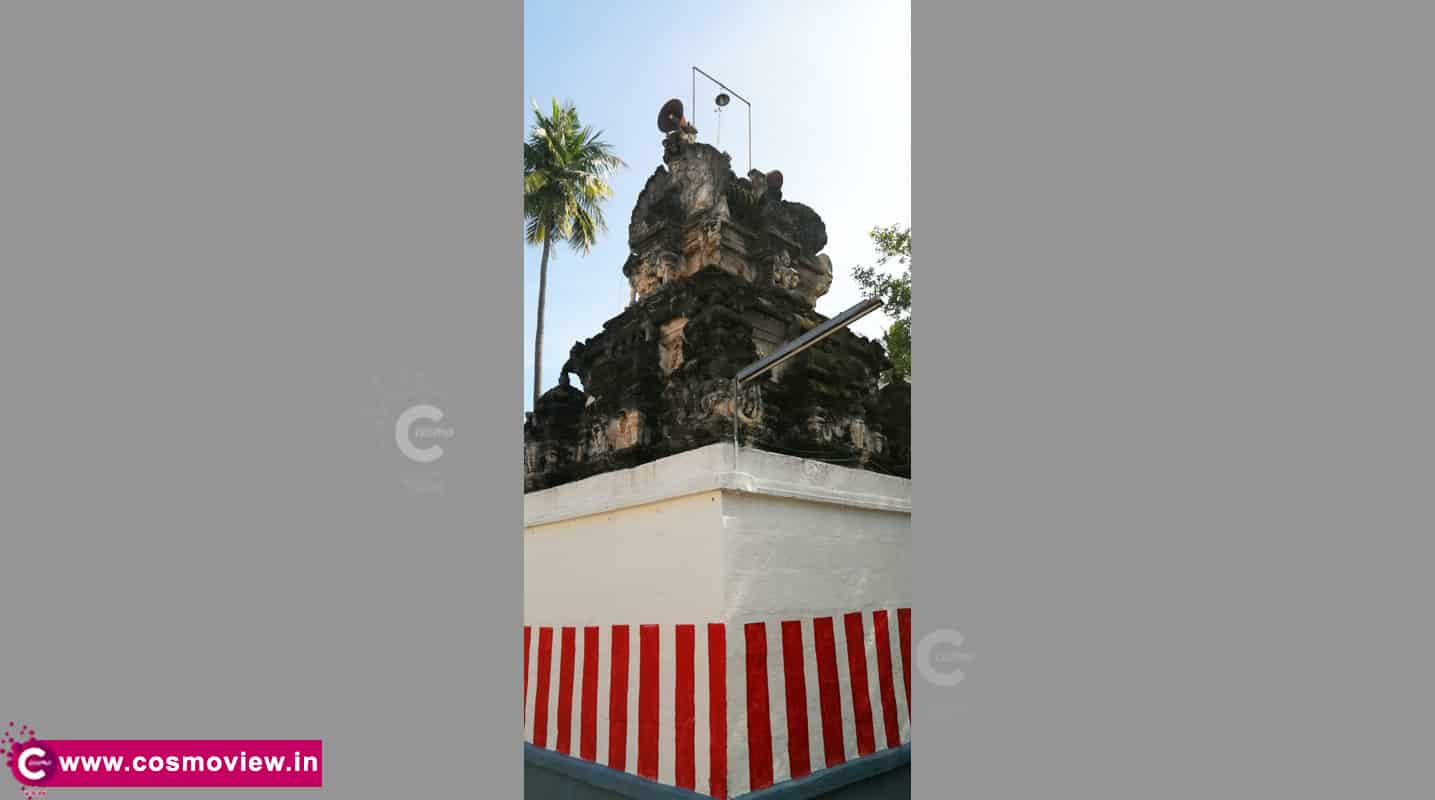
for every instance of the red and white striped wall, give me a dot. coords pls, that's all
(721, 708)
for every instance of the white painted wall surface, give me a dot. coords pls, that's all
(788, 559)
(655, 563)
(688, 539)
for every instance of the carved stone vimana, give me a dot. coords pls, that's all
(722, 269)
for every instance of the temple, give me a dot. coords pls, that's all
(722, 269)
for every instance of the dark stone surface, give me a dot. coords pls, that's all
(824, 404)
(885, 775)
(723, 270)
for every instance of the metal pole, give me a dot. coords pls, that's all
(790, 350)
(735, 388)
(806, 340)
(734, 93)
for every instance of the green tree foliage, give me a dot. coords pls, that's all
(894, 247)
(566, 166)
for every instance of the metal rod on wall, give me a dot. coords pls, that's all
(789, 350)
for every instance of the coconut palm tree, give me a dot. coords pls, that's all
(566, 165)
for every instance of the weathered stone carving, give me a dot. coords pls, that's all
(784, 276)
(722, 269)
(695, 206)
(670, 345)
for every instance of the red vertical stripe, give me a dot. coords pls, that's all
(648, 702)
(861, 698)
(684, 710)
(717, 709)
(829, 690)
(540, 703)
(527, 641)
(565, 691)
(759, 721)
(618, 701)
(796, 683)
(904, 632)
(588, 705)
(885, 685)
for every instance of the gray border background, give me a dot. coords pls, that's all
(1177, 404)
(236, 235)
(1174, 392)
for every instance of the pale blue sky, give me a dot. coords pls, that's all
(830, 84)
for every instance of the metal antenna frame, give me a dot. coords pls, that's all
(734, 93)
(789, 350)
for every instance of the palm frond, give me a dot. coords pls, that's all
(566, 166)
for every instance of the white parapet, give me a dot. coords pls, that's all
(691, 538)
(719, 625)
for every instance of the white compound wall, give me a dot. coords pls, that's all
(719, 626)
(689, 538)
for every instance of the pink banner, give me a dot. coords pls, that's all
(160, 763)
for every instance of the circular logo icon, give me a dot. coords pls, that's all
(406, 433)
(34, 763)
(935, 669)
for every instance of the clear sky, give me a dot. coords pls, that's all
(830, 84)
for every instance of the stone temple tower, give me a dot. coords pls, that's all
(722, 269)
(701, 619)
